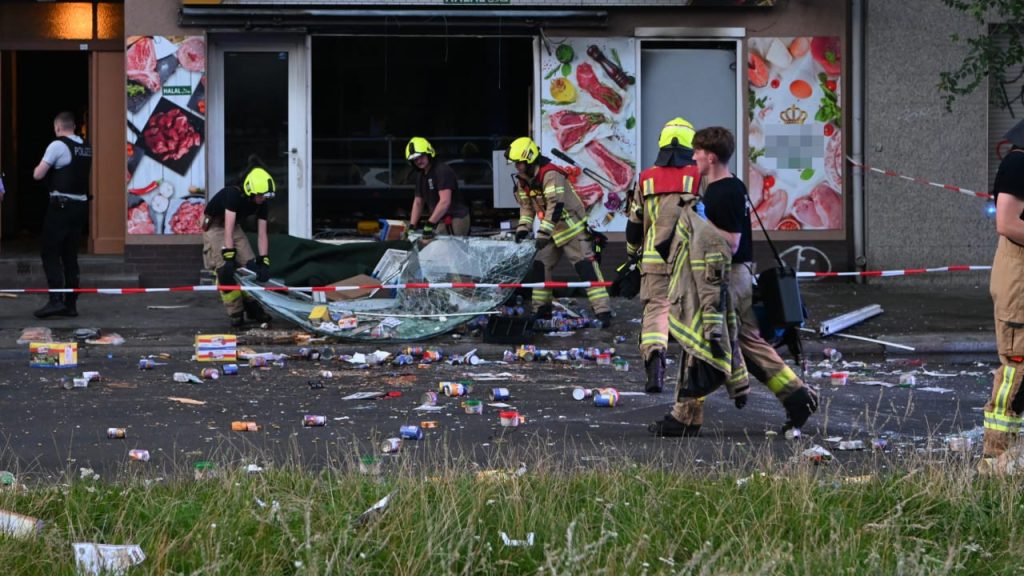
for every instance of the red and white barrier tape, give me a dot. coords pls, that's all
(890, 273)
(984, 195)
(229, 287)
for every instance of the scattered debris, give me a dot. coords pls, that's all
(19, 525)
(374, 511)
(528, 542)
(188, 401)
(844, 321)
(107, 559)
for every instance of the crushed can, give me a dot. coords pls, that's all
(508, 356)
(499, 394)
(314, 420)
(147, 363)
(429, 398)
(116, 433)
(230, 369)
(209, 373)
(139, 455)
(411, 432)
(579, 393)
(832, 355)
(404, 359)
(391, 445)
(257, 361)
(242, 426)
(605, 399)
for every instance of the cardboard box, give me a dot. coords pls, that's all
(53, 354)
(391, 230)
(216, 348)
(360, 280)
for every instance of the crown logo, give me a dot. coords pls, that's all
(793, 115)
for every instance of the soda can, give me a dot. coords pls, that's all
(454, 389)
(428, 424)
(612, 391)
(147, 363)
(326, 374)
(391, 445)
(498, 394)
(411, 432)
(413, 351)
(581, 393)
(473, 407)
(230, 369)
(257, 361)
(432, 355)
(139, 455)
(404, 359)
(210, 373)
(240, 426)
(832, 354)
(605, 400)
(115, 433)
(509, 418)
(313, 420)
(429, 398)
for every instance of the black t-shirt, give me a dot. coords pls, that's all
(725, 205)
(232, 198)
(440, 176)
(1010, 176)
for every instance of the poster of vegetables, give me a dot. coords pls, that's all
(796, 144)
(587, 111)
(166, 99)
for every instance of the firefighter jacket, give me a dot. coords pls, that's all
(701, 318)
(551, 197)
(655, 210)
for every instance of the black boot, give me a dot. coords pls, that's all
(799, 407)
(655, 366)
(669, 427)
(254, 312)
(606, 319)
(71, 305)
(54, 307)
(544, 312)
(237, 320)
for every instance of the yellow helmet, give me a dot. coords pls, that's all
(676, 131)
(417, 147)
(523, 150)
(258, 181)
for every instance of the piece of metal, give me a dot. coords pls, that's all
(844, 321)
(688, 32)
(866, 339)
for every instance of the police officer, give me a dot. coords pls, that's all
(543, 190)
(1004, 410)
(656, 208)
(67, 163)
(225, 244)
(437, 187)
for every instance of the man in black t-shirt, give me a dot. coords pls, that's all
(1003, 412)
(225, 244)
(725, 205)
(437, 187)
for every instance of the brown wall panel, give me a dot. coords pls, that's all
(107, 110)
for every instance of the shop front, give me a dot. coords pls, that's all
(328, 94)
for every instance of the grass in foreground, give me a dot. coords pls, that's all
(932, 518)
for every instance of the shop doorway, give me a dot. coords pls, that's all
(258, 102)
(467, 95)
(34, 87)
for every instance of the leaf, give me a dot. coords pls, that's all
(553, 102)
(807, 174)
(566, 70)
(615, 56)
(552, 73)
(630, 122)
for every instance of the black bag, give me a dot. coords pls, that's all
(627, 280)
(780, 293)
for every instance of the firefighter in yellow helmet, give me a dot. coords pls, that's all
(544, 192)
(225, 245)
(437, 190)
(654, 210)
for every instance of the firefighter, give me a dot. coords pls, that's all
(438, 188)
(652, 220)
(1003, 412)
(225, 244)
(543, 190)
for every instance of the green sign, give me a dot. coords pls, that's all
(177, 90)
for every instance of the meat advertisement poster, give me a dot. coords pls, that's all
(588, 96)
(165, 90)
(795, 137)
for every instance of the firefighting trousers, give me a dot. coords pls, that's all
(1003, 410)
(580, 253)
(458, 227)
(763, 362)
(213, 241)
(654, 327)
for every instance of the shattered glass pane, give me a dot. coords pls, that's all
(418, 313)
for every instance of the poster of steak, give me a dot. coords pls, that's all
(166, 156)
(588, 108)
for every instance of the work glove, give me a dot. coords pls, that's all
(740, 401)
(428, 231)
(226, 273)
(228, 254)
(521, 235)
(261, 266)
(542, 242)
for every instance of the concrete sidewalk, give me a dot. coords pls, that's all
(933, 320)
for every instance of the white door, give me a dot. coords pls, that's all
(258, 104)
